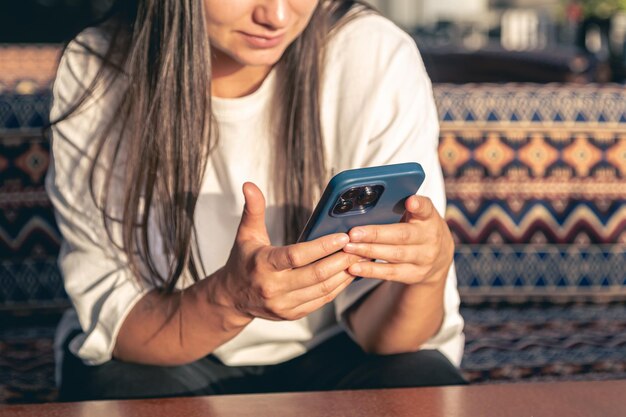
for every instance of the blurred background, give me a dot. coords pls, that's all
(553, 40)
(557, 40)
(532, 113)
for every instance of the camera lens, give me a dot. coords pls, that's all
(368, 196)
(343, 207)
(351, 194)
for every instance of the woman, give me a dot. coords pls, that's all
(162, 113)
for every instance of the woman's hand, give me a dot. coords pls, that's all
(419, 249)
(280, 283)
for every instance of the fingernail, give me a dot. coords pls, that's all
(356, 234)
(342, 240)
(350, 247)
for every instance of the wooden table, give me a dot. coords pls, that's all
(571, 399)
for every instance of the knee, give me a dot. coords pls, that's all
(424, 368)
(119, 380)
(416, 369)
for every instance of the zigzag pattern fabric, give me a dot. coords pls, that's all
(535, 179)
(540, 169)
(29, 238)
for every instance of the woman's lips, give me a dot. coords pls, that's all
(262, 41)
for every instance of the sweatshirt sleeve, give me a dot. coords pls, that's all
(96, 277)
(386, 114)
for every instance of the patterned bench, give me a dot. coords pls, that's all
(535, 178)
(536, 184)
(29, 238)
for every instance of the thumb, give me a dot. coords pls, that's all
(252, 223)
(419, 207)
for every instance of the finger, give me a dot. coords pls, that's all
(420, 207)
(420, 255)
(302, 254)
(314, 305)
(404, 273)
(252, 224)
(388, 234)
(320, 290)
(302, 295)
(319, 272)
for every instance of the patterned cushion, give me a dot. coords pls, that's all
(536, 185)
(535, 178)
(29, 238)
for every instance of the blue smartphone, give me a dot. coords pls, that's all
(364, 196)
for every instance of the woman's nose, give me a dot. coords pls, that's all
(273, 14)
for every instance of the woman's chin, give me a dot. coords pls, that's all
(260, 58)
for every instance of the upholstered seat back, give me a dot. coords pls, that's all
(535, 178)
(536, 185)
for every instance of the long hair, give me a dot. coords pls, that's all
(161, 51)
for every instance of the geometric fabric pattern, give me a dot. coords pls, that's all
(29, 282)
(541, 105)
(22, 115)
(535, 179)
(29, 238)
(27, 227)
(525, 178)
(560, 271)
(536, 184)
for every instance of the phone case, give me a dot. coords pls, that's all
(395, 183)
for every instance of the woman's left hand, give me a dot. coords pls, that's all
(419, 249)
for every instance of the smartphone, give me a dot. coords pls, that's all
(364, 196)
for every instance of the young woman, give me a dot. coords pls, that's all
(172, 116)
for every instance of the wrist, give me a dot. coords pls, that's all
(216, 293)
(416, 294)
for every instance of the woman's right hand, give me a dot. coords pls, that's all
(280, 283)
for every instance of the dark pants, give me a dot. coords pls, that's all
(337, 364)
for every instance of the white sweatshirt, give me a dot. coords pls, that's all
(377, 108)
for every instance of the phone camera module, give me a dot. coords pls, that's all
(357, 200)
(343, 206)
